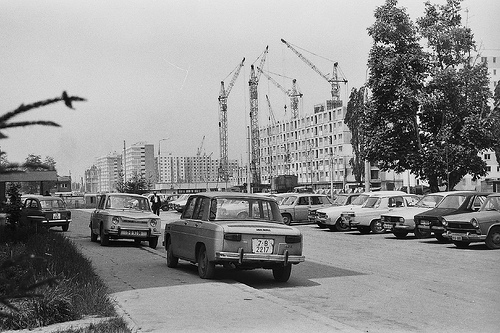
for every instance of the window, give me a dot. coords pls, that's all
(303, 201)
(487, 157)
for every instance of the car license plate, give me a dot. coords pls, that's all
(134, 233)
(56, 216)
(262, 245)
(456, 238)
(426, 223)
(387, 226)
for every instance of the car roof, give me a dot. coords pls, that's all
(40, 197)
(116, 194)
(232, 195)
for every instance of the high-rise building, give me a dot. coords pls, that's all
(315, 147)
(139, 160)
(108, 168)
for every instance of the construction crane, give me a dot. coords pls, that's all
(254, 120)
(334, 80)
(199, 149)
(223, 95)
(293, 93)
(272, 119)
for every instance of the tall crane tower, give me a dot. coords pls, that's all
(293, 93)
(333, 80)
(254, 120)
(223, 95)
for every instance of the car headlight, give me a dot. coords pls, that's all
(474, 223)
(444, 222)
(153, 222)
(115, 220)
(402, 219)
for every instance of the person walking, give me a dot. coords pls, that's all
(156, 203)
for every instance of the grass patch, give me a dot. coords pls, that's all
(46, 280)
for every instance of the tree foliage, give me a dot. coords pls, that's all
(428, 111)
(355, 113)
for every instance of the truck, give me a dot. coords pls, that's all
(284, 183)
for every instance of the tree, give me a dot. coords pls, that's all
(397, 66)
(429, 112)
(138, 184)
(355, 113)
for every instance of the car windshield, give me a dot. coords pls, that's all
(244, 209)
(360, 200)
(429, 201)
(341, 200)
(50, 204)
(492, 203)
(127, 202)
(372, 202)
(289, 200)
(452, 201)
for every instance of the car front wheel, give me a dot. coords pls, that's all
(287, 219)
(206, 268)
(377, 227)
(93, 236)
(400, 234)
(493, 238)
(282, 273)
(104, 238)
(153, 242)
(461, 244)
(341, 226)
(172, 260)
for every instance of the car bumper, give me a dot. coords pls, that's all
(245, 258)
(468, 237)
(50, 223)
(132, 233)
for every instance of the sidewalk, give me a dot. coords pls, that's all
(217, 307)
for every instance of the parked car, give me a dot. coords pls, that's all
(165, 203)
(459, 202)
(209, 234)
(366, 218)
(124, 216)
(342, 199)
(46, 211)
(180, 202)
(280, 197)
(331, 217)
(480, 226)
(401, 222)
(296, 207)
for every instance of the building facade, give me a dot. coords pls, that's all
(109, 169)
(139, 159)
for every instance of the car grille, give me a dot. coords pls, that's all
(460, 227)
(137, 221)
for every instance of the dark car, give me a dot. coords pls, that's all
(431, 221)
(46, 211)
(481, 226)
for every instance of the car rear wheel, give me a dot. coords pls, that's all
(282, 273)
(400, 234)
(419, 233)
(341, 226)
(65, 227)
(93, 236)
(153, 242)
(461, 244)
(206, 268)
(104, 238)
(493, 238)
(172, 260)
(377, 227)
(287, 219)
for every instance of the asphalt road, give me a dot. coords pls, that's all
(375, 283)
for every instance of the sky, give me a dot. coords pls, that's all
(151, 71)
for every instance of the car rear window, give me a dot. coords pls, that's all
(49, 204)
(244, 209)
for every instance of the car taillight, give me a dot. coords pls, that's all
(293, 239)
(232, 237)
